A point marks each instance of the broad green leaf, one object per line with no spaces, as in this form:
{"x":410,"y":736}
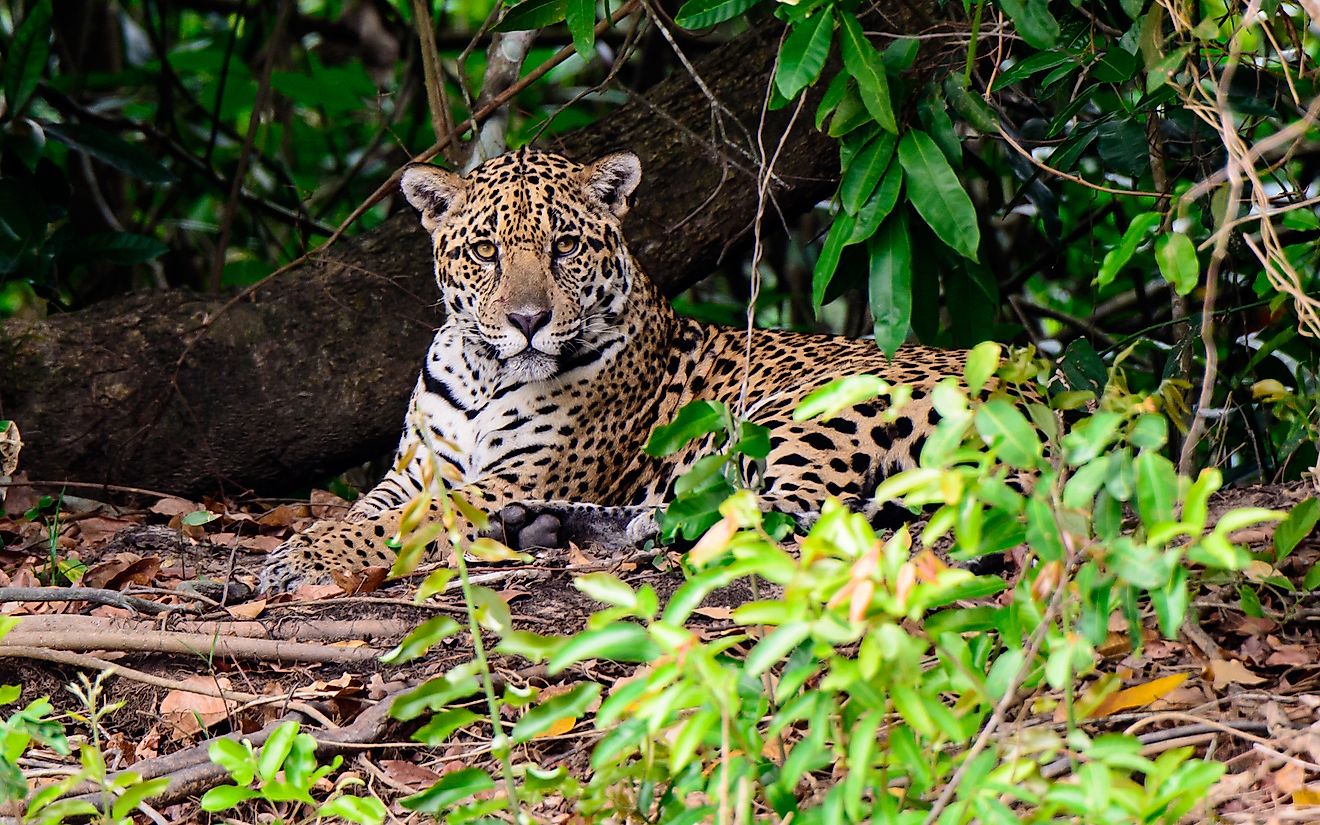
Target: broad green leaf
{"x":701,"y":14}
{"x":803,"y":55}
{"x":880,"y":205}
{"x":433,"y":694}
{"x":1298,"y":525}
{"x":607,"y":588}
{"x":890,"y":283}
{"x":1003,"y":426}
{"x":689,"y":737}
{"x":533,"y":14}
{"x":361,"y":810}
{"x":982,"y":362}
{"x":1033,"y":64}
{"x":441,"y":726}
{"x":452,"y":788}
{"x":235,"y":757}
{"x":1157,"y":487}
{"x":834,"y":94}
{"x":694,"y":420}
{"x":1124,"y":146}
{"x":866,"y":66}
{"x":570,"y":705}
{"x":775,"y":646}
{"x":581,"y":18}
{"x":1176,"y":255}
{"x":26,"y":56}
{"x":1033,"y":21}
{"x":273,"y":753}
{"x":224,"y":797}
{"x":198,"y":517}
{"x":863,"y":172}
{"x":135,"y":794}
{"x":1150,"y":432}
{"x":840,"y":233}
{"x":490,"y":610}
{"x":427,"y":635}
{"x":621,"y":642}
{"x":938,"y":195}
{"x":972,"y":108}
{"x":111,"y":150}
{"x":839,"y":394}
{"x":1141,"y":226}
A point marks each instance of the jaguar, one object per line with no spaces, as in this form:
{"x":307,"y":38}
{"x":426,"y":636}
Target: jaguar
{"x":557,"y":358}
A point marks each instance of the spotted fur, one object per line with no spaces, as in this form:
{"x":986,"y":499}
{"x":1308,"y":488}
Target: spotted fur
{"x":559,"y":356}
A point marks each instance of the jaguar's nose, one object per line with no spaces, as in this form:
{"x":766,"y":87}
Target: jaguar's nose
{"x":529,"y":322}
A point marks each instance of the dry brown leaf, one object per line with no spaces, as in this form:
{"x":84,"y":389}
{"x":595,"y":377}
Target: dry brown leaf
{"x":559,"y":727}
{"x":173,"y":507}
{"x":96,"y":530}
{"x":1293,"y":655}
{"x":248,"y":610}
{"x":1290,"y":778}
{"x":316,"y":592}
{"x":19,"y":497}
{"x":717,"y":613}
{"x":512,"y":593}
{"x":11,"y":443}
{"x":99,"y":574}
{"x":281,"y":516}
{"x":189,"y":712}
{"x":414,"y":776}
{"x":1225,"y":672}
{"x":141,"y":573}
{"x":260,"y":544}
{"x":1306,"y":797}
{"x":325,"y":504}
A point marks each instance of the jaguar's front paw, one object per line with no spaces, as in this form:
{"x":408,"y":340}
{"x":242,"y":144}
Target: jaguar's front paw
{"x":525,"y":528}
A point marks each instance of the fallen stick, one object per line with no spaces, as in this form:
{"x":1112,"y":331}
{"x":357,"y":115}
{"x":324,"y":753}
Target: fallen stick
{"x":290,"y":629}
{"x":94,"y":595}
{"x":199,"y":644}
{"x":64,"y":657}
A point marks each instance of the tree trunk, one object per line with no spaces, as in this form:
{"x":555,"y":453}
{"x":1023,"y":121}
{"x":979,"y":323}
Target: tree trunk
{"x":310,"y":373}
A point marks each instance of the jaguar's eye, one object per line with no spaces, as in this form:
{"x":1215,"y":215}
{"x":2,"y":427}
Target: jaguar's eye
{"x":567,"y":245}
{"x":483,"y":251}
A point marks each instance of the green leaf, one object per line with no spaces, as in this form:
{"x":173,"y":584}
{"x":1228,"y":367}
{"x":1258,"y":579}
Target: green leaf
{"x":433,"y":694}
{"x":1176,"y":255}
{"x":1033,"y":21}
{"x":1116,"y":258}
{"x":689,"y":738}
{"x":864,"y":171}
{"x":840,"y":232}
{"x":224,"y":797}
{"x":415,"y":644}
{"x":774,"y":647}
{"x":1298,"y":525}
{"x":1124,"y":147}
{"x":694,"y":420}
{"x":97,"y":143}
{"x":1157,"y":487}
{"x":982,"y":362}
{"x":839,"y":394}
{"x":890,"y":283}
{"x":880,"y":205}
{"x":701,"y":14}
{"x":581,"y":18}
{"x":452,"y":788}
{"x":1004,"y":427}
{"x":834,"y":94}
{"x":621,"y":642}
{"x":568,"y":705}
{"x":25,"y":58}
{"x":441,"y":726}
{"x":235,"y":757}
{"x":866,"y":66}
{"x":607,"y":588}
{"x":1039,"y":62}
{"x":199,"y":517}
{"x":533,"y":14}
{"x":803,"y":55}
{"x":362,"y":810}
{"x":937,"y":194}
{"x":277,"y":747}
{"x":137,"y":793}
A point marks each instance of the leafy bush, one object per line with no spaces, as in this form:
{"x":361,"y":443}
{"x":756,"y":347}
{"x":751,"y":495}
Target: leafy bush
{"x":873,"y":684}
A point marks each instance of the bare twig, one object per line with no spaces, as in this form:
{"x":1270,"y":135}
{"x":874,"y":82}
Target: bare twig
{"x":94,"y":595}
{"x":259,"y":106}
{"x":192,"y":644}
{"x":442,"y":122}
{"x":504,"y":59}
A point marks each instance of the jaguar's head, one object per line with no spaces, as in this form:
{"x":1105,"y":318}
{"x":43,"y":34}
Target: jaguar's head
{"x":528,"y":253}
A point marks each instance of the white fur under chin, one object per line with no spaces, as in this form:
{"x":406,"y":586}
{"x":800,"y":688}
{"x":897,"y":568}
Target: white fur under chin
{"x":531,"y":365}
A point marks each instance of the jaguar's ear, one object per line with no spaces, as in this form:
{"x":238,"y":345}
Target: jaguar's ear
{"x":432,"y":191}
{"x":612,"y":179}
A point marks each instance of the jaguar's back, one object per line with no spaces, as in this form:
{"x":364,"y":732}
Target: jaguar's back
{"x":558,"y":357}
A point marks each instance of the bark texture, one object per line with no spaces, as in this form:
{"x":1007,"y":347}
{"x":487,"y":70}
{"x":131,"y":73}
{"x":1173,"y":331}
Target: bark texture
{"x":310,"y":373}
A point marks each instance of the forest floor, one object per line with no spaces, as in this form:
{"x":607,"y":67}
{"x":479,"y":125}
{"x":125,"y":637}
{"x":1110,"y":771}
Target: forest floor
{"x":192,"y":662}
